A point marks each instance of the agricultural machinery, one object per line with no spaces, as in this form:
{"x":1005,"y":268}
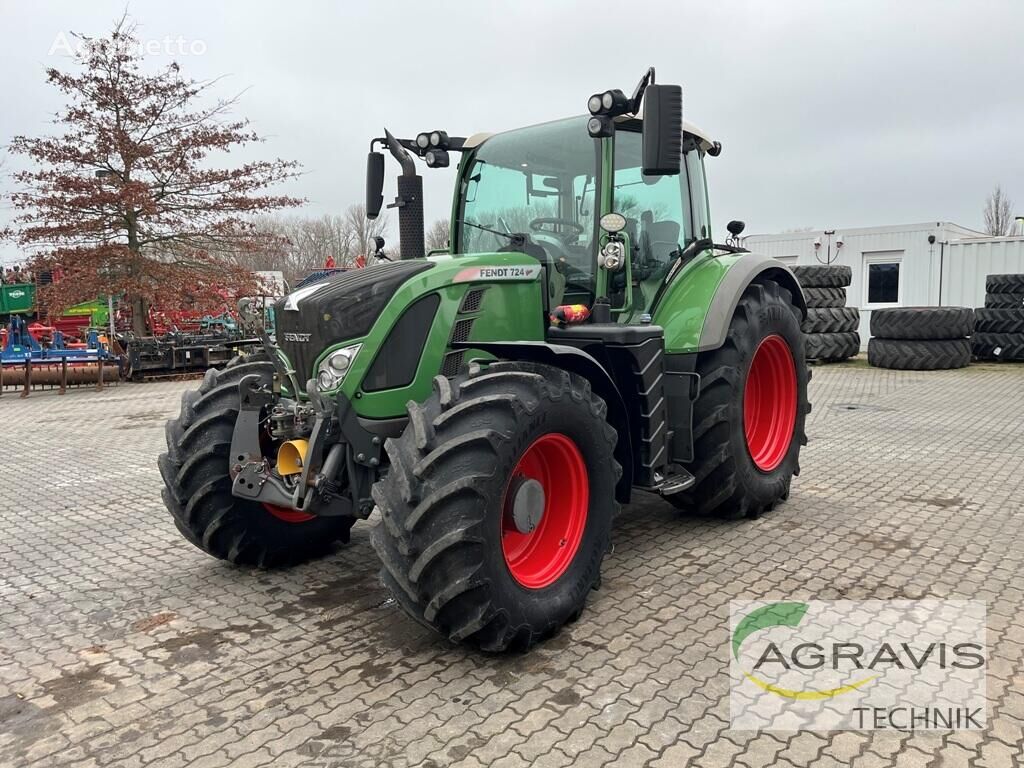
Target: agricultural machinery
{"x":584,"y":339}
{"x":25,"y":362}
{"x":75,"y":347}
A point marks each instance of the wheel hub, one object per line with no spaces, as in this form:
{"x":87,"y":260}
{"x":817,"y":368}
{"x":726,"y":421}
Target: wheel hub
{"x":527,"y":503}
{"x":770,"y":403}
{"x":545,"y":511}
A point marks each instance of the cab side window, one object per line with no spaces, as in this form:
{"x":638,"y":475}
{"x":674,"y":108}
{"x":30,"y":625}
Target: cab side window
{"x":657,"y":208}
{"x":698,"y":194}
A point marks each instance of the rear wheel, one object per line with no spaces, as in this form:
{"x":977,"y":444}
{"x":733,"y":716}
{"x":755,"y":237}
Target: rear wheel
{"x":497,"y":508}
{"x":197,"y":484}
{"x":749,"y":417}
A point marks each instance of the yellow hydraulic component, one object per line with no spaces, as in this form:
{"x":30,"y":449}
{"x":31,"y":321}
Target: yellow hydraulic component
{"x":290,"y":457}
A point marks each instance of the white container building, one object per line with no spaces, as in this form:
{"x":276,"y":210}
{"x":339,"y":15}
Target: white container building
{"x":911,"y":265}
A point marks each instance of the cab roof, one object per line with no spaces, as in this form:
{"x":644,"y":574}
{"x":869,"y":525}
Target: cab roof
{"x":703,"y":139}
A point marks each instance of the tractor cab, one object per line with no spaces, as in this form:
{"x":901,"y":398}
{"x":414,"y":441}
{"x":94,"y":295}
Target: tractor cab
{"x":546,"y":189}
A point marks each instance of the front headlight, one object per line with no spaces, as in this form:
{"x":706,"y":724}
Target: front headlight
{"x":332,"y":369}
{"x":613,"y":255}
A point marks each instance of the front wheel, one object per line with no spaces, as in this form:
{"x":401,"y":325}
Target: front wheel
{"x":497,"y":508}
{"x":197,"y":483}
{"x":749,"y":417}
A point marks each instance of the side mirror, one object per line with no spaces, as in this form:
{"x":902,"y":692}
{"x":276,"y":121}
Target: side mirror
{"x":378,"y":243}
{"x":735,"y":227}
{"x":374,"y":184}
{"x":663,"y":130}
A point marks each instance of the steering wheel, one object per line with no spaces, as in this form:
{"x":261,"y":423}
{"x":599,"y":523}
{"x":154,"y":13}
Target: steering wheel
{"x":539,"y":224}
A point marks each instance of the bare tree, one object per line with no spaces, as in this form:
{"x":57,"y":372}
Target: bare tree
{"x":998,"y":213}
{"x":363,"y":230}
{"x":298,"y":245}
{"x":437,"y":236}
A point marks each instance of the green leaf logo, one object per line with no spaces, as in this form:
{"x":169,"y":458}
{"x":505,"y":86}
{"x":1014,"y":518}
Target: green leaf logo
{"x":782,"y":615}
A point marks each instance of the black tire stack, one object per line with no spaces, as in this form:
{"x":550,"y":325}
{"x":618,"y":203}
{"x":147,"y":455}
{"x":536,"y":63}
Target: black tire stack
{"x":921,"y":338}
{"x":830,"y":330}
{"x":999,"y":325}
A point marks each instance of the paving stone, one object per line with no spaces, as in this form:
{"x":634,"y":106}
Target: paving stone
{"x":130,"y":647}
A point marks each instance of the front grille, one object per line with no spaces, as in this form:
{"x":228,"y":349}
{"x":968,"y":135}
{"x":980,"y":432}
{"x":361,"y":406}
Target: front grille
{"x":344,"y":306}
{"x":462,"y":329}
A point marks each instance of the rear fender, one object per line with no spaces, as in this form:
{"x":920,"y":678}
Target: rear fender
{"x":698,"y":304}
{"x":746,"y":270}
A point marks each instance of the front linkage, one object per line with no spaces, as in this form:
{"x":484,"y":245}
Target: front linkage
{"x":327,"y":462}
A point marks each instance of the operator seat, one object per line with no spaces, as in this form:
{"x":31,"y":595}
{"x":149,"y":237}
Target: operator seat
{"x":659,"y":240}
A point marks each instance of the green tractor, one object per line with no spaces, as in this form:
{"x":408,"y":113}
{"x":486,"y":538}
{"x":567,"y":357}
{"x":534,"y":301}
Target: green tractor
{"x":582,"y":338}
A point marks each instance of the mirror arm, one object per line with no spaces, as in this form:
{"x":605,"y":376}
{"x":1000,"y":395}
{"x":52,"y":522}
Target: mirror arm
{"x":638,"y":92}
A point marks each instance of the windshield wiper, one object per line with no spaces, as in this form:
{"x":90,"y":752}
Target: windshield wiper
{"x":510,"y":235}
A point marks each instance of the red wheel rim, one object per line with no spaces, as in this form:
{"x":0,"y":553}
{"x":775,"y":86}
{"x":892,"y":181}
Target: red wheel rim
{"x":537,"y":559}
{"x":288,"y":515}
{"x":769,"y":403}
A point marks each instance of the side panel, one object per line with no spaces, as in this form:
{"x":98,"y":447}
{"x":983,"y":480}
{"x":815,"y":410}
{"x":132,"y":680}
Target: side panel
{"x":511,"y":309}
{"x":696,"y":308}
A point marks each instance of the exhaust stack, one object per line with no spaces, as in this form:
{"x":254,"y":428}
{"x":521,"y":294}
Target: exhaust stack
{"x":409,"y":203}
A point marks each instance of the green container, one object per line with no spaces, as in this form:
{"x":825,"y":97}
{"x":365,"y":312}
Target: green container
{"x":17,"y":298}
{"x":99,"y":316}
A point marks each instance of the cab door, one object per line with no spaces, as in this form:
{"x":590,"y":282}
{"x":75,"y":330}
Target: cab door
{"x":659,"y":221}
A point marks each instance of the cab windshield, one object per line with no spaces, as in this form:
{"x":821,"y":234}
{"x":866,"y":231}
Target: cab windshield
{"x":539,"y":181}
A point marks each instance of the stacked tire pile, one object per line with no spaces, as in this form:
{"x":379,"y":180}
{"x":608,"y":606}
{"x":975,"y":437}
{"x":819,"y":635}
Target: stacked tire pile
{"x":921,"y":338}
{"x":999,"y":326}
{"x":830,"y":330}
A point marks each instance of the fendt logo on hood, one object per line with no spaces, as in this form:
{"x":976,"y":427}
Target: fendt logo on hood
{"x":300,"y":338}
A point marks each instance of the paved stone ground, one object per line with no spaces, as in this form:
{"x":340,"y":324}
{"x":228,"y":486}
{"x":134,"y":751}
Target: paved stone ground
{"x":124,"y":645}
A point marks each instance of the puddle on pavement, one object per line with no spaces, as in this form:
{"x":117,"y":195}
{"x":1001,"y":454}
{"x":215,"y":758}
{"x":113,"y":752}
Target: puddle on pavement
{"x":956,"y":501}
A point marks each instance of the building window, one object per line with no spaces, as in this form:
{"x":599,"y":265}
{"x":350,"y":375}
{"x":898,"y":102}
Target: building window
{"x":882,"y":280}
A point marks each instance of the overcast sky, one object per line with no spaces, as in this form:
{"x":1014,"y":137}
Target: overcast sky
{"x":832,"y":114}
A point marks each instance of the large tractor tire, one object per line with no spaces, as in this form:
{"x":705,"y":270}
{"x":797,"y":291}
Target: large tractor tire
{"x":922,"y":323}
{"x":998,"y":346}
{"x":497,"y":508}
{"x":1004,"y":300}
{"x":197,"y":484}
{"x":828,"y":347}
{"x":831,"y":320}
{"x":1012,"y":283}
{"x":748,"y":421}
{"x":823,"y":275}
{"x":919,"y":354}
{"x":825,"y":297}
{"x":999,"y":320}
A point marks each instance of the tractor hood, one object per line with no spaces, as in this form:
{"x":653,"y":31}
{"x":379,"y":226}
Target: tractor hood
{"x":344,"y":306}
